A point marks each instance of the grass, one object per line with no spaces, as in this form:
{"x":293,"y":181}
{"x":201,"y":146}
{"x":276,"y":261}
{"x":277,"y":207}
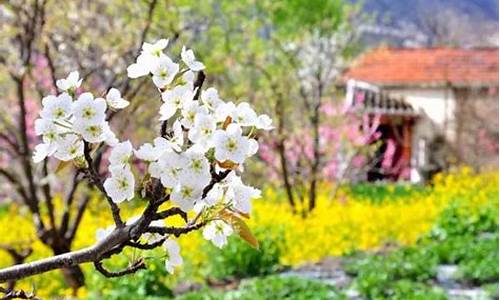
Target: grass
{"x":271,"y":288}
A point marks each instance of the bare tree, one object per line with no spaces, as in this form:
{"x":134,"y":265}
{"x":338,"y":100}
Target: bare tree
{"x":452,"y":27}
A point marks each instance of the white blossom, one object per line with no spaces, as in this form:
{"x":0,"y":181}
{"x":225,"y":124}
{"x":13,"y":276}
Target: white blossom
{"x":149,"y":152}
{"x":154,"y":237}
{"x":244,"y":115}
{"x":48,"y":130}
{"x":155,"y":49}
{"x":231,"y":145}
{"x":56,"y":108}
{"x":164,"y":72}
{"x":110,"y":138}
{"x":93,"y":132}
{"x":175,"y":99}
{"x":173,"y":257}
{"x":120,"y":154}
{"x":215,"y":194}
{"x":120,"y":186}
{"x":71,"y":83}
{"x":210,"y":98}
{"x":264,"y":122}
{"x":69,"y":146}
{"x":142,"y":67}
{"x":240,"y":195}
{"x":203,"y":130}
{"x":196,"y":170}
{"x":189,"y":111}
{"x":148,"y":59}
{"x":167,"y":168}
{"x":224,"y":110}
{"x":217,"y":232}
{"x":114,"y":99}
{"x":187,"y":79}
{"x":189,"y":59}
{"x":89,"y":110}
{"x":253,"y":147}
{"x":185,"y":195}
{"x":43,"y":150}
{"x":177,"y":140}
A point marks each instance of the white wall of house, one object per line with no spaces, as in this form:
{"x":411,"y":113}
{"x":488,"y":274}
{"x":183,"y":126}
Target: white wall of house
{"x":436,"y":107}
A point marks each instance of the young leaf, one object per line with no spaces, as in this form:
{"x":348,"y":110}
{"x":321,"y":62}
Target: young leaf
{"x":240,"y":227}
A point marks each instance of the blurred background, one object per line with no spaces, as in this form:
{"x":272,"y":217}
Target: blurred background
{"x":379,"y":181}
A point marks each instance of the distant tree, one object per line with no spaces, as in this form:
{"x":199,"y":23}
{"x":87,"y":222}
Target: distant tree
{"x":448,"y":26}
{"x":289,"y":54}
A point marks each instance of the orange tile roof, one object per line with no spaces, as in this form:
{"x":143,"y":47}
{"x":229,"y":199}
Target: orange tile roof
{"x":427,"y":66}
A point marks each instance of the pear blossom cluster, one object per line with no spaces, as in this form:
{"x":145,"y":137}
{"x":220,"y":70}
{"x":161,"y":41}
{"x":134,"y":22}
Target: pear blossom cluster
{"x":205,"y":134}
{"x":66,"y":121}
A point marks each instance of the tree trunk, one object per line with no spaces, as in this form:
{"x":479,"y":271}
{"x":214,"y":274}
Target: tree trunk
{"x":279,"y":108}
{"x":285,"y":174}
{"x":316,"y":158}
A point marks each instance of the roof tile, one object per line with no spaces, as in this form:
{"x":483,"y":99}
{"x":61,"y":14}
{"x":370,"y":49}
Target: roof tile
{"x":427,"y":66}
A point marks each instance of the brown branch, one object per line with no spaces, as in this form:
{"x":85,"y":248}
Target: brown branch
{"x":71,"y":232}
{"x":33,"y":200}
{"x":11,"y":141}
{"x":48,"y":196}
{"x":69,"y":259}
{"x":145,"y":246}
{"x":216,"y":178}
{"x":94,"y":178}
{"x":170,"y":212}
{"x":12,"y":178}
{"x":18,"y":257}
{"x":136,"y":266}
{"x":68,"y":203}
{"x":51,"y":65}
{"x":176,"y":231}
{"x":200,"y":78}
{"x":17,"y":294}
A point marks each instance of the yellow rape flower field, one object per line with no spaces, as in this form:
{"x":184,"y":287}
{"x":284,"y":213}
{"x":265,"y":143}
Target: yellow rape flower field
{"x":336,"y":227}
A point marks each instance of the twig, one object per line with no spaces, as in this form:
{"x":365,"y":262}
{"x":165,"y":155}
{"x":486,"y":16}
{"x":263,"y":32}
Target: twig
{"x":17,"y":294}
{"x":95,"y":179}
{"x":136,"y":266}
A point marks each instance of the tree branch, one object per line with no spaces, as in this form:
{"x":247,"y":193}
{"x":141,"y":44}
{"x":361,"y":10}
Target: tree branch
{"x":93,"y":176}
{"x":66,"y":260}
{"x":17,"y":294}
{"x":71,"y":232}
{"x":68,"y":203}
{"x":136,"y":266}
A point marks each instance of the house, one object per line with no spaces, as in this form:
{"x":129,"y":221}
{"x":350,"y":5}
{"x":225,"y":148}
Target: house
{"x":438,"y":106}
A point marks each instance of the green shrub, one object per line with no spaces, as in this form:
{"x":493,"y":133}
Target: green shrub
{"x":491,"y":289}
{"x":480,"y":264}
{"x":238,"y":260}
{"x":377,"y":193}
{"x":375,"y":274}
{"x":451,"y":250}
{"x":409,"y":290}
{"x":471,"y":241}
{"x":271,"y":288}
{"x":453,"y":223}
